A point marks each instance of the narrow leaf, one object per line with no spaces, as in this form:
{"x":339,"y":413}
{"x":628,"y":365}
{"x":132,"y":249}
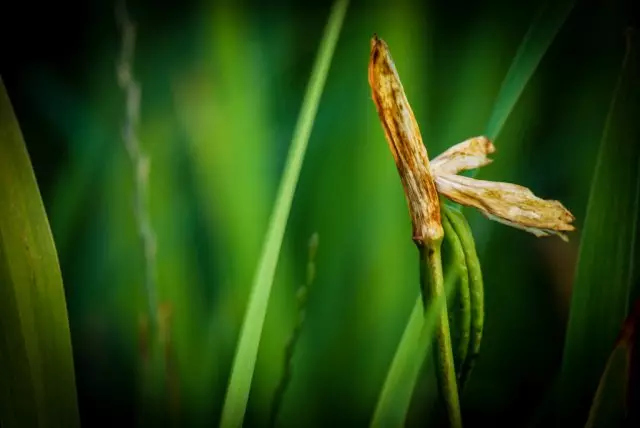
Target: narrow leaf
{"x":395,"y":396}
{"x":37,"y":382}
{"x":245,"y":358}
{"x":611,"y":402}
{"x":602,"y":284}
{"x":536,"y":41}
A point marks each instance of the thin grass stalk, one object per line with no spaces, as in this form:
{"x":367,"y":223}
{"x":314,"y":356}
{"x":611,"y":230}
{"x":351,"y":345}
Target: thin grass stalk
{"x":245,"y":357}
{"x":432,"y":284}
{"x":302,"y":299}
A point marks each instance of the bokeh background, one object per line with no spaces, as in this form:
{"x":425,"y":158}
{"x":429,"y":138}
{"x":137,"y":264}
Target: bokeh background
{"x":222,"y":84}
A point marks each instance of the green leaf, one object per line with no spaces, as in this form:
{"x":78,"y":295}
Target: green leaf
{"x":37,"y":382}
{"x":609,"y":407}
{"x":245,"y":357}
{"x":602,"y":283}
{"x":395,"y":396}
{"x":536,"y":41}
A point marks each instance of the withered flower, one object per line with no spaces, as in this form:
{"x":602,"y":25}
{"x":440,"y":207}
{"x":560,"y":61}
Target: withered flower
{"x":506,"y":203}
{"x":405,"y":142}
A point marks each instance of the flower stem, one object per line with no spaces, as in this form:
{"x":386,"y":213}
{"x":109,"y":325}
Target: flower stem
{"x":432,"y":284}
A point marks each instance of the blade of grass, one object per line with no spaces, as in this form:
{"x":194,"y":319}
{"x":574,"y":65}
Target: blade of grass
{"x":543,"y":29}
{"x":602,"y":285}
{"x":395,"y":396}
{"x":612,"y":404}
{"x":37,"y":381}
{"x":536,"y":41}
{"x":245,"y":357}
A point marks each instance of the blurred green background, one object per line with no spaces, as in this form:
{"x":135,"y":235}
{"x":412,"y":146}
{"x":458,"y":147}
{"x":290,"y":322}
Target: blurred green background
{"x":222,"y":83}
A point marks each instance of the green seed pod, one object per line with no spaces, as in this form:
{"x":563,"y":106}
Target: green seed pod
{"x":459,"y":301}
{"x":476,"y":288}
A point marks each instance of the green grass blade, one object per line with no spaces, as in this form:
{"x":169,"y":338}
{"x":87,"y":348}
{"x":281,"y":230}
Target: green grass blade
{"x":608,"y":409}
{"x":536,"y":41}
{"x":603,"y":277}
{"x":245,"y":358}
{"x":37,"y":381}
{"x":612,"y":399}
{"x":395,"y":396}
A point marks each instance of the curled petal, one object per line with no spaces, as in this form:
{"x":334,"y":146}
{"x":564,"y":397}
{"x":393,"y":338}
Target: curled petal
{"x":469,"y":154}
{"x":509,"y":204}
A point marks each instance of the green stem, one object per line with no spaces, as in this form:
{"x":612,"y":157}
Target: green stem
{"x":432,"y":284}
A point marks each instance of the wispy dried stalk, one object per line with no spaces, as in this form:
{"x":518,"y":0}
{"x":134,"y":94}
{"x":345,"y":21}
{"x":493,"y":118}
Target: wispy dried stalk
{"x":139,"y":160}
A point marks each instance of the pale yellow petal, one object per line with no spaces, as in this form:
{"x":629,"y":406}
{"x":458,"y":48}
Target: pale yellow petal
{"x":469,"y":154}
{"x":509,"y":204}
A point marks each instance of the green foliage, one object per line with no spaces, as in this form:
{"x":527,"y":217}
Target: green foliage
{"x":395,"y":396}
{"x":535,"y":44}
{"x":244,"y":362}
{"x":37,"y":381}
{"x":613,"y":403}
{"x":462,"y":276}
{"x":222,"y":86}
{"x":604,"y":274}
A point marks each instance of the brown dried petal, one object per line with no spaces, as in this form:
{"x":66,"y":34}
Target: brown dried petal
{"x":469,"y":154}
{"x":405,"y":142}
{"x":509,"y":204}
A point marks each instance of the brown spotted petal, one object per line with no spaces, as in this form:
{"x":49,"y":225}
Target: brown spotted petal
{"x":509,"y":204}
{"x":469,"y":154}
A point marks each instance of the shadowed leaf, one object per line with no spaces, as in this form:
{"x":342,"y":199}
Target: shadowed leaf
{"x":543,"y":30}
{"x":37,"y":381}
{"x":611,"y":402}
{"x":602,"y":284}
